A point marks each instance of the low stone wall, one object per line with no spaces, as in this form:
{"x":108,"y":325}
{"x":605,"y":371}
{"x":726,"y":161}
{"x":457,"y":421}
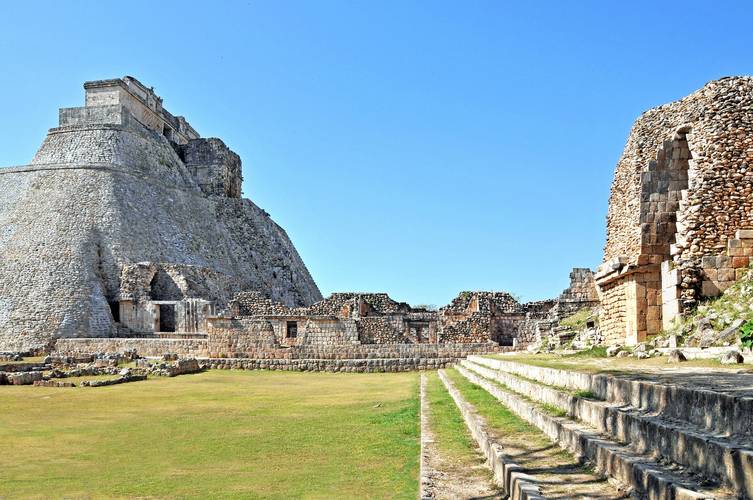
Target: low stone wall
{"x":333,"y":365}
{"x":415,"y":356}
{"x":143,"y":346}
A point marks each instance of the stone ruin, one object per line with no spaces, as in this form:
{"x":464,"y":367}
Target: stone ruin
{"x":680,"y":212}
{"x":127,"y":221}
{"x":351,"y":326}
{"x":127,"y":233}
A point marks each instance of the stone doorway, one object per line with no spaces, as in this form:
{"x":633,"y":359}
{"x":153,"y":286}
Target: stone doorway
{"x":166,"y":317}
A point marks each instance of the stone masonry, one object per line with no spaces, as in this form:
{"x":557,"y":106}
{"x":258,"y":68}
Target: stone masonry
{"x":123,"y":187}
{"x":680,"y":210}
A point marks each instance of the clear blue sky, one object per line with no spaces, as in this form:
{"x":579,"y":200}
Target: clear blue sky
{"x":417,"y":148}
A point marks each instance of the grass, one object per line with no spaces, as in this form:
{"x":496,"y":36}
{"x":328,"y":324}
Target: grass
{"x":554,"y":411}
{"x":34,"y":359}
{"x":585,"y":394}
{"x":446,"y":421}
{"x":496,"y":414}
{"x":578,"y":320}
{"x":215,"y":434}
{"x":593,"y":352}
{"x":558,"y":473}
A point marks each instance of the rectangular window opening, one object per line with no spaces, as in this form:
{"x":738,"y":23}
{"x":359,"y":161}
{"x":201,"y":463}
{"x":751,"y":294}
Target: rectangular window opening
{"x":292,"y":330}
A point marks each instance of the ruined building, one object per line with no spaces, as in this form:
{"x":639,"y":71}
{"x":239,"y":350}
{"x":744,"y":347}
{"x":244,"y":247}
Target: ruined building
{"x":128,"y":232}
{"x":127,"y":221}
{"x":681,"y":210}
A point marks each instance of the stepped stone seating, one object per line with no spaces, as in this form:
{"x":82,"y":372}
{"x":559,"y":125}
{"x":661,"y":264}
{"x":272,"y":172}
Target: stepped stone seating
{"x":678,"y":436}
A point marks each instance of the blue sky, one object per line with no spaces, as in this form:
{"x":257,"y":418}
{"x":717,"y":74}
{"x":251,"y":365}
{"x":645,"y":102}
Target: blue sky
{"x":416,"y":148}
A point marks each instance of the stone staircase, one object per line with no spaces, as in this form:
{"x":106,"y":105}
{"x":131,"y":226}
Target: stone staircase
{"x":656,"y":440}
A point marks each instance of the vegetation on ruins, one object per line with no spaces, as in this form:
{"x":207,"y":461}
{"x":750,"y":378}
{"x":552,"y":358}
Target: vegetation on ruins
{"x":580,"y":319}
{"x":729,"y":315}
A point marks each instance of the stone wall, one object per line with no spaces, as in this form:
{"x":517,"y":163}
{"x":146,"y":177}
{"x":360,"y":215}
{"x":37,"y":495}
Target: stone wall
{"x":143,"y":346}
{"x":719,"y":272}
{"x":382,"y":330}
{"x":214,"y":166}
{"x":230,"y":337}
{"x":200,"y":348}
{"x":682,"y":189}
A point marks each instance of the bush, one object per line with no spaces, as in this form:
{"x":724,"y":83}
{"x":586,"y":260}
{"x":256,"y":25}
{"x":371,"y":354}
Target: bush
{"x":746,"y":334}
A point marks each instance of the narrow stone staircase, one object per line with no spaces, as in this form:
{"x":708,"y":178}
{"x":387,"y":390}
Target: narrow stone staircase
{"x":655,"y":440}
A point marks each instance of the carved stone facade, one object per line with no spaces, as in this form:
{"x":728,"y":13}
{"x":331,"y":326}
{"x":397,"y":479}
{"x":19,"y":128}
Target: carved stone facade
{"x":682,"y":192}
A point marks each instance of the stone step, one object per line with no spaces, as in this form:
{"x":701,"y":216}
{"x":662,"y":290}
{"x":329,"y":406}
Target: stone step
{"x":727,"y":461}
{"x":639,"y":472}
{"x":507,"y":474}
{"x":720,"y":403}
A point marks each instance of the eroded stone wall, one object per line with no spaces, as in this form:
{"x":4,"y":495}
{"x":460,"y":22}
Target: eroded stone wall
{"x":681,"y":190}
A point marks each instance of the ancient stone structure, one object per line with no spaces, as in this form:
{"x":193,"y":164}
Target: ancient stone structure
{"x":681,"y":210}
{"x":127,"y":223}
{"x":128,"y":233}
{"x":542,"y":318}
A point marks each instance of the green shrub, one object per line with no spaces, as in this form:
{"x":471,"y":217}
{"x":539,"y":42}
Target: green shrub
{"x":746,"y":334}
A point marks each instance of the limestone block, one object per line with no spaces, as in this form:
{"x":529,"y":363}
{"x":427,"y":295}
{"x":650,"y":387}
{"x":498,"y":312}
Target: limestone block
{"x":712,"y":274}
{"x":727,"y":274}
{"x":739,"y":262}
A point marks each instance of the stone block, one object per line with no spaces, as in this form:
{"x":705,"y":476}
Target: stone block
{"x":653,"y":326}
{"x":727,"y":274}
{"x":709,"y":289}
{"x":709,"y":261}
{"x":736,"y":251}
{"x":744,"y":234}
{"x":711,"y":274}
{"x":738,"y":262}
{"x":747,"y":242}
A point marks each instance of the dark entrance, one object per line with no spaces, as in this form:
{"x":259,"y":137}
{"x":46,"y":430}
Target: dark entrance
{"x":115,"y":310}
{"x":167,"y":317}
{"x":292,"y":330}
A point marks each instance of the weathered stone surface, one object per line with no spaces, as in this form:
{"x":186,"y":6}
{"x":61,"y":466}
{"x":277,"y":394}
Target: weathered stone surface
{"x":681,"y":210}
{"x":23,"y":378}
{"x":675,"y":356}
{"x":613,"y":350}
{"x":107,"y":191}
{"x":731,"y":358}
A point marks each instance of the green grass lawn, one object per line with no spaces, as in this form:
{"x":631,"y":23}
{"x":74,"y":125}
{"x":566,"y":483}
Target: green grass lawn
{"x":215,"y":434}
{"x":448,"y":426}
